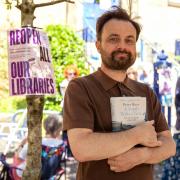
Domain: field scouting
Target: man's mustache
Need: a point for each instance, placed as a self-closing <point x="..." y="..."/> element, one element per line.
<point x="121" y="51"/>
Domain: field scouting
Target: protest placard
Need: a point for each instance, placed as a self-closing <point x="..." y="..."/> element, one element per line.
<point x="30" y="63"/>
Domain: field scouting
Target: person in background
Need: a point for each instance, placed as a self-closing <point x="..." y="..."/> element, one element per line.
<point x="103" y="154"/>
<point x="53" y="127"/>
<point x="170" y="167"/>
<point x="132" y="73"/>
<point x="144" y="77"/>
<point x="70" y="72"/>
<point x="162" y="55"/>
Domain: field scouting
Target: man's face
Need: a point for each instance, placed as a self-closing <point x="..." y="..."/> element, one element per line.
<point x="117" y="45"/>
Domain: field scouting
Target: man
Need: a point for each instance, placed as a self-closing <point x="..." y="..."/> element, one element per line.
<point x="104" y="154"/>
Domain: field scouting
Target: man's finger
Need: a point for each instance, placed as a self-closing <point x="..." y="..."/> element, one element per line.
<point x="155" y="144"/>
<point x="112" y="162"/>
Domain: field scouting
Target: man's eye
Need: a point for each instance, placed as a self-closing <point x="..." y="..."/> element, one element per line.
<point x="114" y="40"/>
<point x="130" y="41"/>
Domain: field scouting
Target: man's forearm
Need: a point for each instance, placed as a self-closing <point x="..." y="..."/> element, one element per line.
<point x="87" y="145"/>
<point x="148" y="155"/>
<point x="128" y="160"/>
<point x="97" y="146"/>
<point x="163" y="152"/>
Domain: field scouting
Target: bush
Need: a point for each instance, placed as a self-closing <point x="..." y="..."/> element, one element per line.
<point x="66" y="48"/>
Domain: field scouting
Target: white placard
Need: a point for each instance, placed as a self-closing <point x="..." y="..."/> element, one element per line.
<point x="30" y="62"/>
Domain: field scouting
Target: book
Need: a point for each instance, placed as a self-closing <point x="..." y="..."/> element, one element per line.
<point x="127" y="112"/>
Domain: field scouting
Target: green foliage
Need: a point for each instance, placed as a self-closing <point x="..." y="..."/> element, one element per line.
<point x="177" y="58"/>
<point x="11" y="104"/>
<point x="66" y="48"/>
<point x="96" y="1"/>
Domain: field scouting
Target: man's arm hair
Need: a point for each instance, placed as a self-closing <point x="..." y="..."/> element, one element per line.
<point x="87" y="145"/>
<point x="141" y="155"/>
<point x="163" y="152"/>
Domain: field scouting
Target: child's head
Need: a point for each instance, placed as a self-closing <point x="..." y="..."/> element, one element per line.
<point x="52" y="125"/>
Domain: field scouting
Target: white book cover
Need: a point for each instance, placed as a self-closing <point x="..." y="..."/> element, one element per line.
<point x="127" y="112"/>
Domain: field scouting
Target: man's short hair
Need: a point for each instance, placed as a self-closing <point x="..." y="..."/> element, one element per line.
<point x="115" y="13"/>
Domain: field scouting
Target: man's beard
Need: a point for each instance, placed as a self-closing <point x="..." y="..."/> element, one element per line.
<point x="118" y="63"/>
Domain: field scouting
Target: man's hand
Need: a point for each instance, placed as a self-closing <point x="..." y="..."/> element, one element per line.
<point x="147" y="134"/>
<point x="129" y="159"/>
<point x="140" y="155"/>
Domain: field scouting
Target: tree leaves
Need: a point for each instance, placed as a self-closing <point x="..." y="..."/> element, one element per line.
<point x="66" y="48"/>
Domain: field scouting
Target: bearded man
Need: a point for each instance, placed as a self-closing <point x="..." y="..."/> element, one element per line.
<point x="102" y="153"/>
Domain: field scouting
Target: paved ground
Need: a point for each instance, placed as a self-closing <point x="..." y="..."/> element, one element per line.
<point x="71" y="170"/>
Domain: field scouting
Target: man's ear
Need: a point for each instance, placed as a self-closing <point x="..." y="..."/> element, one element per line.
<point x="98" y="44"/>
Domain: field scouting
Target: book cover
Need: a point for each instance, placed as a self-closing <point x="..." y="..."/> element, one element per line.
<point x="127" y="112"/>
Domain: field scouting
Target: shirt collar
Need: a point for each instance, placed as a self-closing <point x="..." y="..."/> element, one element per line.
<point x="108" y="83"/>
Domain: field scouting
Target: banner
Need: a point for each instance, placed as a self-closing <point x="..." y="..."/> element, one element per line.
<point x="30" y="62"/>
<point x="90" y="14"/>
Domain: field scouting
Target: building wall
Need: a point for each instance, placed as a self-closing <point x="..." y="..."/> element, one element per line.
<point x="62" y="13"/>
<point x="160" y="23"/>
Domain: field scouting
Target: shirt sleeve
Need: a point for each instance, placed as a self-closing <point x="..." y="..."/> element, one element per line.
<point x="160" y="120"/>
<point x="78" y="109"/>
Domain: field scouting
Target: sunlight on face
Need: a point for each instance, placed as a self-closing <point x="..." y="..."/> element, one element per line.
<point x="118" y="44"/>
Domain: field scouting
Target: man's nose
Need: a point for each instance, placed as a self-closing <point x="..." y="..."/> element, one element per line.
<point x="121" y="45"/>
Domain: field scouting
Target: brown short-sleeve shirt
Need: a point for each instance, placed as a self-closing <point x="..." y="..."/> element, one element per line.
<point x="87" y="105"/>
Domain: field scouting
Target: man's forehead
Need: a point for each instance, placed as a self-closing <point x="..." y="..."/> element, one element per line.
<point x="118" y="27"/>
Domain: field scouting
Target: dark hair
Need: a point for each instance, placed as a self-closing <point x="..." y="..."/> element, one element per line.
<point x="115" y="13"/>
<point x="51" y="124"/>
